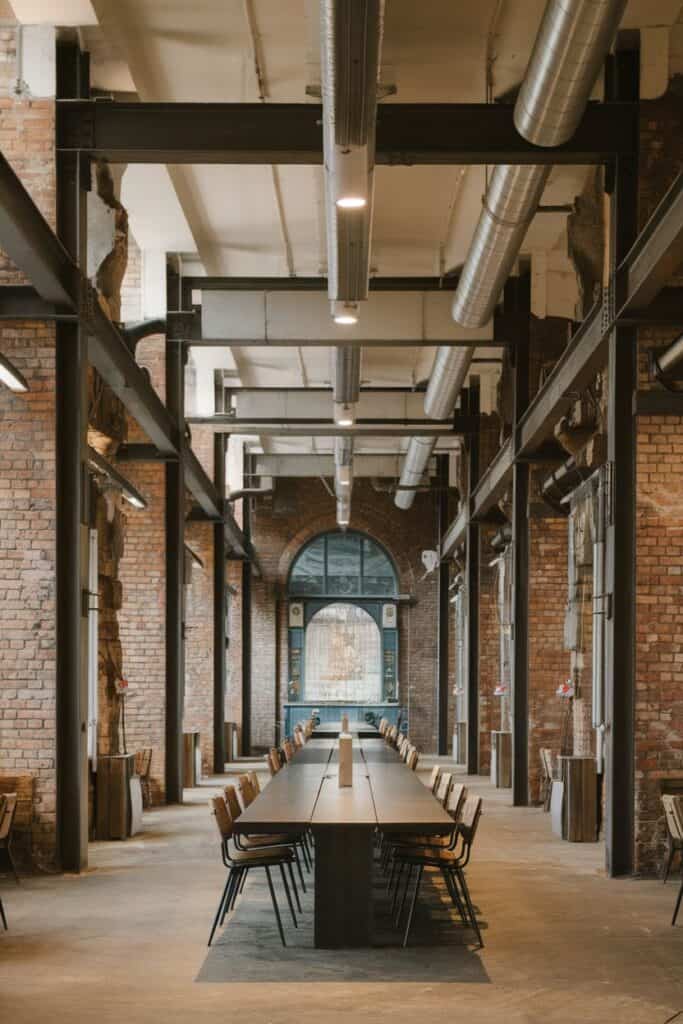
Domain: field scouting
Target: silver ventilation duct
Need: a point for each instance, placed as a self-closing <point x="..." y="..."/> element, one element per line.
<point x="417" y="457"/>
<point x="343" y="478"/>
<point x="574" y="37"/>
<point x="345" y="380"/>
<point x="572" y="43"/>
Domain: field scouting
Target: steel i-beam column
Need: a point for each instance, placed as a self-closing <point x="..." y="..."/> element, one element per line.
<point x="620" y="547"/>
<point x="71" y="514"/>
<point x="520" y="581"/>
<point x="219" y="612"/>
<point x="175" y="573"/>
<point x="246" y="633"/>
<point x="444" y="609"/>
<point x="472" y="571"/>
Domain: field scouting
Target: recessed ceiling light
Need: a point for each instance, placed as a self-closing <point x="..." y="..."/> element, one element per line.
<point x="351" y="202"/>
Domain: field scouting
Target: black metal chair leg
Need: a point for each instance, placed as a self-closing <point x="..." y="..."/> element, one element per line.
<point x="306" y="854"/>
<point x="296" y="891"/>
<point x="470" y="908"/>
<point x="230" y="896"/>
<point x="396" y="889"/>
<point x="678" y="904"/>
<point x="298" y="867"/>
<point x="391" y="877"/>
<point x="219" y="912"/>
<point x="2" y="915"/>
<point x="275" y="906"/>
<point x="672" y="854"/>
<point x="455" y="894"/>
<point x="288" y="895"/>
<point x="412" y="906"/>
<point x="397" y="919"/>
<point x="239" y="889"/>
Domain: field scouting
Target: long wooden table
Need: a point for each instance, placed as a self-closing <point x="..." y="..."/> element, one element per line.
<point x="306" y="794"/>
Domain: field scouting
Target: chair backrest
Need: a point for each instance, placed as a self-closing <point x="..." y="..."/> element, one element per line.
<point x="469" y="820"/>
<point x="412" y="759"/>
<point x="232" y="802"/>
<point x="274" y="761"/>
<point x="7" y="816"/>
<point x="298" y="738"/>
<point x="255" y="784"/>
<point x="221" y="813"/>
<point x="382" y="728"/>
<point x="547" y="762"/>
<point x="246" y="791"/>
<point x="143" y="762"/>
<point x="672" y="819"/>
<point x="269" y="763"/>
<point x="456" y="799"/>
<point x="289" y="750"/>
<point x="444" y="787"/>
<point x="434" y="778"/>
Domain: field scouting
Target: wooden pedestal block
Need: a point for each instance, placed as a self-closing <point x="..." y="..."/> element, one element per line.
<point x="345" y="760"/>
<point x="113" y="796"/>
<point x="580" y="805"/>
<point x="501" y="759"/>
<point x="192" y="760"/>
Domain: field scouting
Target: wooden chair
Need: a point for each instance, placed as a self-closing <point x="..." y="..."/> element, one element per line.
<point x="451" y="863"/>
<point x="239" y="863"/>
<point x="434" y="778"/>
<point x="7" y="815"/>
<point x="546" y="755"/>
<point x="257" y="842"/>
<point x="443" y="789"/>
<point x="274" y="762"/>
<point x="674" y="839"/>
<point x="255" y="784"/>
<point x="412" y="759"/>
<point x="298" y="738"/>
<point x="143" y="767"/>
<point x="288" y="748"/>
<point x="269" y="764"/>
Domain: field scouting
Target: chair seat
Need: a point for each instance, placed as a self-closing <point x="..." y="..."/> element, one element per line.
<point x="426" y="855"/>
<point x="275" y="840"/>
<point x="261" y="858"/>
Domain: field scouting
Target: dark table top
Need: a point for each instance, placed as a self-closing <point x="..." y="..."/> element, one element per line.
<point x="306" y="792"/>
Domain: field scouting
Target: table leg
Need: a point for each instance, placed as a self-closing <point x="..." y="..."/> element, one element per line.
<point x="343" y="887"/>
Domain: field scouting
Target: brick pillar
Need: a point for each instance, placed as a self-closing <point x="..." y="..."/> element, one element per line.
<point x="548" y="660"/>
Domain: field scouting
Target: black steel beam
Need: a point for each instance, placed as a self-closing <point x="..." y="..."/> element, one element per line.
<point x="310" y="284"/>
<point x="220" y="553"/>
<point x="587" y="352"/>
<point x="316" y="428"/>
<point x="289" y="133"/>
<point x="175" y="579"/>
<point x="659" y="403"/>
<point x="472" y="570"/>
<point x="443" y="621"/>
<point x="246" y="635"/>
<point x="520" y="587"/>
<point x="22" y="302"/>
<point x="640" y="269"/>
<point x="23" y="235"/>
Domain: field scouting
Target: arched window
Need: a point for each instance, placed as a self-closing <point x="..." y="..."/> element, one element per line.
<point x="343" y="565"/>
<point x="343" y="655"/>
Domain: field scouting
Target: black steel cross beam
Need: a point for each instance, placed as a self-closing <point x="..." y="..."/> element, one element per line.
<point x="291" y="133"/>
<point x="639" y="284"/>
<point x="31" y="244"/>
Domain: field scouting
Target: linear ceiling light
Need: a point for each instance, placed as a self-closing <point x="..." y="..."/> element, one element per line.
<point x="10" y="376"/>
<point x="345" y="312"/>
<point x="344" y="414"/>
<point x="100" y="465"/>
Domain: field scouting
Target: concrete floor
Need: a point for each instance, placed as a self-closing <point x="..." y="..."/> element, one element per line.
<point x="126" y="942"/>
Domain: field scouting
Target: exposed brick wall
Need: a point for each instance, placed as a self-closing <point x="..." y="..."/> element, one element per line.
<point x="659" y="605"/>
<point x="142" y="571"/>
<point x="659" y="537"/>
<point x="301" y="509"/>
<point x="199" y="641"/>
<point x="27" y="492"/>
<point x="27" y="575"/>
<point x="548" y="660"/>
<point x="489" y="651"/>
